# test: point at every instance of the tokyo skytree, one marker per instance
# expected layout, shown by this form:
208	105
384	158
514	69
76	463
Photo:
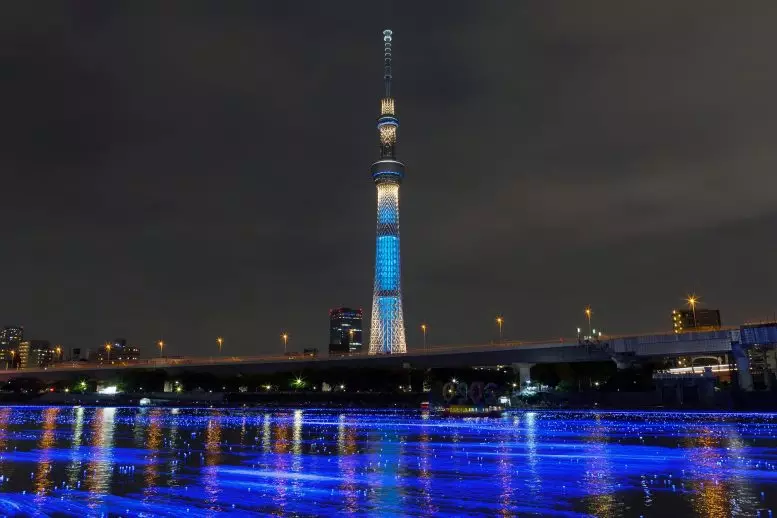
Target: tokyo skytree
387	332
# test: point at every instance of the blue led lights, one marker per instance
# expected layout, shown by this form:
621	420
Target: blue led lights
59	461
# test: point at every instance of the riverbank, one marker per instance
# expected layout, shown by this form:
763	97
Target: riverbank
723	400
223	399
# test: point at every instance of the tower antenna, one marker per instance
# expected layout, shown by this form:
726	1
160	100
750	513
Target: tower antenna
387	34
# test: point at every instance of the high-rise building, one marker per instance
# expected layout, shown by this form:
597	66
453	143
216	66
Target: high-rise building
387	329
688	320
345	331
10	338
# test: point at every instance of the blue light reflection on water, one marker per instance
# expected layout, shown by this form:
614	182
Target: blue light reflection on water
171	462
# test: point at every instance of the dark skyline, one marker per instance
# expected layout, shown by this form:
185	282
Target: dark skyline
188	171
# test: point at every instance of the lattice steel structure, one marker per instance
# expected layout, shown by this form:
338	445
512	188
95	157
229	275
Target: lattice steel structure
387	332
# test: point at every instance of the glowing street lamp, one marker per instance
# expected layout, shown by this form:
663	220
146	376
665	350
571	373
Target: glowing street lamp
423	330
692	300
58	350
13	356
350	338
499	322
220	341
161	345
588	314
108	350
285	338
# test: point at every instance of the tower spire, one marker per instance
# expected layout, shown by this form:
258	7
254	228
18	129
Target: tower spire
387	34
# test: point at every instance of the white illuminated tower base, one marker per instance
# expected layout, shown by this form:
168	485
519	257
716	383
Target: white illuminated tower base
387	332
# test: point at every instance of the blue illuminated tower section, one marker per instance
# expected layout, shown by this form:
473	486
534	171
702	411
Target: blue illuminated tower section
387	332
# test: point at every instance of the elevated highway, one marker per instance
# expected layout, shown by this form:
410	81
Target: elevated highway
621	349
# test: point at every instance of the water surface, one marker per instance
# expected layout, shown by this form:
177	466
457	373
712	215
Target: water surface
61	461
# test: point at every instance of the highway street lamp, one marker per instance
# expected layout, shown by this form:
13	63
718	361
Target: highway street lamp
58	350
108	350
692	300
285	338
423	330
220	341
588	314
161	345
499	322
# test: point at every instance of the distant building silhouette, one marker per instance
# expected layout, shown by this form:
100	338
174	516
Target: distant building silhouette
345	331
119	352
36	353
705	319
10	338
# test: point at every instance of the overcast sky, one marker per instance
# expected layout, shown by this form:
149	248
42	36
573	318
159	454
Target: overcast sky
186	170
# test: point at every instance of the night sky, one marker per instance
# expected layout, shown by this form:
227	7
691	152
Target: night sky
187	170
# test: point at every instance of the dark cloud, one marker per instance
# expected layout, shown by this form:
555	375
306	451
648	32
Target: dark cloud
192	170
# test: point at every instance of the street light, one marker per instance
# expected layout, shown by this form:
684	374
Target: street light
13	355
423	330
220	341
499	322
58	350
692	300
285	338
108	350
161	345
588	314
350	338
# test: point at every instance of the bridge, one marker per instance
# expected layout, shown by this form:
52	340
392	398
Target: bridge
521	355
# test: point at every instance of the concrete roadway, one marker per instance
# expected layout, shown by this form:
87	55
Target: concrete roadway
622	349
506	353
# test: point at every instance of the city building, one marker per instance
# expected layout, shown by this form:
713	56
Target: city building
688	320
387	328
36	353
11	335
117	352
345	331
10	338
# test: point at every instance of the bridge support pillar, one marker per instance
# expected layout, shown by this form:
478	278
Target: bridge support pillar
524	372
743	367
771	368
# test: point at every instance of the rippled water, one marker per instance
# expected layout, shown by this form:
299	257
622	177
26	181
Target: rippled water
172	462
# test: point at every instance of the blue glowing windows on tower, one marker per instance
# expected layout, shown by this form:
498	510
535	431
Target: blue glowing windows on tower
387	263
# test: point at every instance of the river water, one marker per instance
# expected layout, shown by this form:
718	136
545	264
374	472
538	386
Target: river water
63	461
